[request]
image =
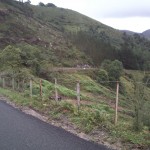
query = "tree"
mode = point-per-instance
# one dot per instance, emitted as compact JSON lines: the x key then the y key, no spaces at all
{"x":30,"y":57}
{"x":50,"y":5}
{"x":115,"y":70}
{"x":28,"y":2}
{"x":41,"y":4}
{"x":102,"y":76}
{"x":134,"y":52}
{"x":105,"y":64}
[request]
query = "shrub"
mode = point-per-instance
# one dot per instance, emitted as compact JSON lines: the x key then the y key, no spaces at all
{"x":103,"y":76}
{"x":114,"y":69}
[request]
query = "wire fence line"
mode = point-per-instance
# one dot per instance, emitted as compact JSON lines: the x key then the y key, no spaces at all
{"x":30,"y":86}
{"x":137,"y":82}
{"x":27,"y":84}
{"x":22,"y":85}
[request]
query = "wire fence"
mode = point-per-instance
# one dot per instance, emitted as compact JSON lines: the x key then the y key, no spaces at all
{"x":34,"y":87}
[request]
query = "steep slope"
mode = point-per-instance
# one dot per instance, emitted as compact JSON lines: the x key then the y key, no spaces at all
{"x":146,"y":34}
{"x":95,"y":39}
{"x":47,"y":29}
{"x":67,"y":20}
{"x":128,"y":32}
{"x":18,"y":25}
{"x":37,"y":19}
{"x":67,"y":38}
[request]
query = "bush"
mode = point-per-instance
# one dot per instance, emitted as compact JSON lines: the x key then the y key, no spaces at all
{"x":67,"y":107}
{"x":91,"y":119}
{"x":114,"y":70}
{"x":103,"y":76}
{"x":105,"y":64}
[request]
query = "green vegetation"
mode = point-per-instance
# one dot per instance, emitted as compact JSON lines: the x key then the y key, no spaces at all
{"x":36,"y":40}
{"x":68,"y":38}
{"x":113,"y":68}
{"x":95,"y":114}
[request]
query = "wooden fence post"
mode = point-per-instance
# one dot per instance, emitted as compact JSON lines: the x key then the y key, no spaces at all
{"x":41,"y":88}
{"x":30,"y":88}
{"x":78,"y":95}
{"x":56,"y":91}
{"x":116,"y":106}
{"x":13,"y":83}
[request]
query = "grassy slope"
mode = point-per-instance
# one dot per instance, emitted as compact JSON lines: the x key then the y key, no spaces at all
{"x":71,"y":21}
{"x":97,"y":106}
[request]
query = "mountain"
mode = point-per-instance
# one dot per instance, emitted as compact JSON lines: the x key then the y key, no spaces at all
{"x":128,"y":32}
{"x":53,"y":36}
{"x":146,"y":34}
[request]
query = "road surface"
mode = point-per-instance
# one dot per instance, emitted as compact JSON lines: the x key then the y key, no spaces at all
{"x":19,"y":131}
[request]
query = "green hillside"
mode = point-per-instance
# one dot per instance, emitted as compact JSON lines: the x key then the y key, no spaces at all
{"x":43,"y":43}
{"x":19,"y":27}
{"x":146,"y":34}
{"x":68,"y":38}
{"x":70,"y":21}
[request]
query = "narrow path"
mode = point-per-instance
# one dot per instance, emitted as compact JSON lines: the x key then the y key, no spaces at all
{"x":69,"y":69}
{"x":19,"y":131}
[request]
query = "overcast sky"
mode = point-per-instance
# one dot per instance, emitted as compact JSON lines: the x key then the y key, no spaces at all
{"x":131,"y":15}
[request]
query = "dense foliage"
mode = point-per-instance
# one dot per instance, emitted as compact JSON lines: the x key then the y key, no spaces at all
{"x":135,"y":52}
{"x":110,"y":72}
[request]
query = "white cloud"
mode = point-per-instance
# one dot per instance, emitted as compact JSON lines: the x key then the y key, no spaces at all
{"x":122,"y":14}
{"x":136,"y":24}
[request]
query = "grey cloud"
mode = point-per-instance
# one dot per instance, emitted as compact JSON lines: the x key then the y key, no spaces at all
{"x":126,"y":13}
{"x":127,"y":8}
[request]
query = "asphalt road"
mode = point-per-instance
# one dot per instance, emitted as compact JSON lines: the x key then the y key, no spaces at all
{"x":19,"y":131}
